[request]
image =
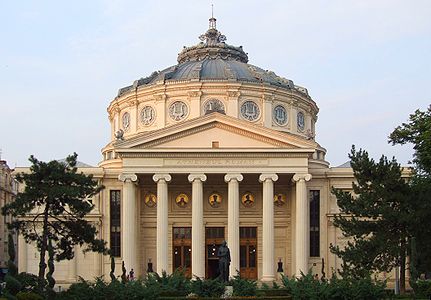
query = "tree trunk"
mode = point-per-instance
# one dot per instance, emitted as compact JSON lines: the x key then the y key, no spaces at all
{"x":43,"y":247}
{"x":403,"y":273}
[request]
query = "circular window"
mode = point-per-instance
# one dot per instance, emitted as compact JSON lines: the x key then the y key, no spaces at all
{"x":214,"y":105}
{"x":301,"y":121}
{"x":250,"y":111}
{"x":280,"y":115}
{"x":178,"y":111}
{"x":126,"y":121}
{"x":148,"y":115}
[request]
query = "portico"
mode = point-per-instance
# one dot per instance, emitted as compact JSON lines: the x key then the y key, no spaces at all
{"x":196,"y":219}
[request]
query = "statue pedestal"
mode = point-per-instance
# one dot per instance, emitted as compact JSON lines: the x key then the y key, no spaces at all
{"x":228,"y":292}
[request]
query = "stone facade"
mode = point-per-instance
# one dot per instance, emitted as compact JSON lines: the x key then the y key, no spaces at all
{"x":8,"y":191}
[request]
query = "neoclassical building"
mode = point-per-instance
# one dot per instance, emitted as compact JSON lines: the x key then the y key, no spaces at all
{"x":211,"y":149}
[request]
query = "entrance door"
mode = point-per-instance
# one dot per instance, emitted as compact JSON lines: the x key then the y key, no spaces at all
{"x":182,"y":250}
{"x":248,"y":252}
{"x":214,"y":237}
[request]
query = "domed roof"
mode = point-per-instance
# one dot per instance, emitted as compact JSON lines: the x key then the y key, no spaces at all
{"x":214,"y":60}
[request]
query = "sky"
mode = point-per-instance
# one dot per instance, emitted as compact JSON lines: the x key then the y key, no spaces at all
{"x":367,"y":65}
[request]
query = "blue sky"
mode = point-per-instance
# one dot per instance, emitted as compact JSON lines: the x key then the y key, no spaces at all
{"x":367,"y":64}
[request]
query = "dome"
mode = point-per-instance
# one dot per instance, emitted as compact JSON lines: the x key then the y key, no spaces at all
{"x":214,"y":60}
{"x":212,"y":76}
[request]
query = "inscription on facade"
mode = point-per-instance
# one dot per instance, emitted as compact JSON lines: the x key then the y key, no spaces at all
{"x":216,"y":162}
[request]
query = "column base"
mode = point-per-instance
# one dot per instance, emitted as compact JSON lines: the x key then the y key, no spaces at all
{"x":267,"y":278}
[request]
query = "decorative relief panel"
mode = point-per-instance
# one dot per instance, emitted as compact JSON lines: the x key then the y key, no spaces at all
{"x":125,"y":121}
{"x":279,"y":115}
{"x":148,"y":115}
{"x":279,"y":199}
{"x":215,"y":199}
{"x":178,"y":110}
{"x":150,"y":200}
{"x":247,"y":199}
{"x":213,"y":105}
{"x":182,"y":200}
{"x":250,"y":110}
{"x":300,"y":119}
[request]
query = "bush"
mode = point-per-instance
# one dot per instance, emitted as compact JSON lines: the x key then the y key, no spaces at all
{"x":28,"y":296}
{"x":423,"y":288}
{"x":243,"y":287}
{"x":208,"y":287}
{"x":307,"y":287}
{"x":176,"y":284}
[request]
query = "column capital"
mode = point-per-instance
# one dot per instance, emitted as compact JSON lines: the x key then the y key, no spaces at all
{"x":165,"y":177}
{"x":200,"y":176}
{"x":238,"y":177}
{"x":128,"y":177}
{"x":299,"y":176}
{"x":268,"y":176}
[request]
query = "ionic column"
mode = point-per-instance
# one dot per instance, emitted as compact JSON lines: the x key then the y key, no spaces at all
{"x":22,"y":254}
{"x":129,"y":218}
{"x":198,"y":232}
{"x":233,"y":181}
{"x":302,"y":219}
{"x":268,"y":268}
{"x":162,"y":221}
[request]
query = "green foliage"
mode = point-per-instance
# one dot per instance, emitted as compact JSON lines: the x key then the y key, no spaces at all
{"x":12,"y":268}
{"x":176,"y":284}
{"x":207,"y":287}
{"x":423,"y":288}
{"x":306,"y":287}
{"x":150,"y":288}
{"x":417,"y":131}
{"x":123,"y":274}
{"x":243,"y":287}
{"x":13,"y":286}
{"x":28,"y":296}
{"x":29,"y":282}
{"x":375,"y":217}
{"x":112,"y":273}
{"x":58,"y":192}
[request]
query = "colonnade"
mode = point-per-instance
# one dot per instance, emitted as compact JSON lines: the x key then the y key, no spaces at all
{"x":130,"y":223}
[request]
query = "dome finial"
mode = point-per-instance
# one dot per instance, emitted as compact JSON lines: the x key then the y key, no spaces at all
{"x":213,"y":21}
{"x":212,"y":36}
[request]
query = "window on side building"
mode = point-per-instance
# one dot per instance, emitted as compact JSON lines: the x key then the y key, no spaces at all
{"x":314,"y":223}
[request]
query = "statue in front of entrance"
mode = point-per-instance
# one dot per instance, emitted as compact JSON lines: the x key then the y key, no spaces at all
{"x":224,"y":261}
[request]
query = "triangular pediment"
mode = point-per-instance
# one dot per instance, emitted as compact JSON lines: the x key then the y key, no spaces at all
{"x":215,"y":131}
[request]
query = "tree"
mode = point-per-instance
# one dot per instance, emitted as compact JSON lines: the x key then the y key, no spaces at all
{"x":53,"y":207}
{"x":417,"y":131}
{"x":375,"y":217}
